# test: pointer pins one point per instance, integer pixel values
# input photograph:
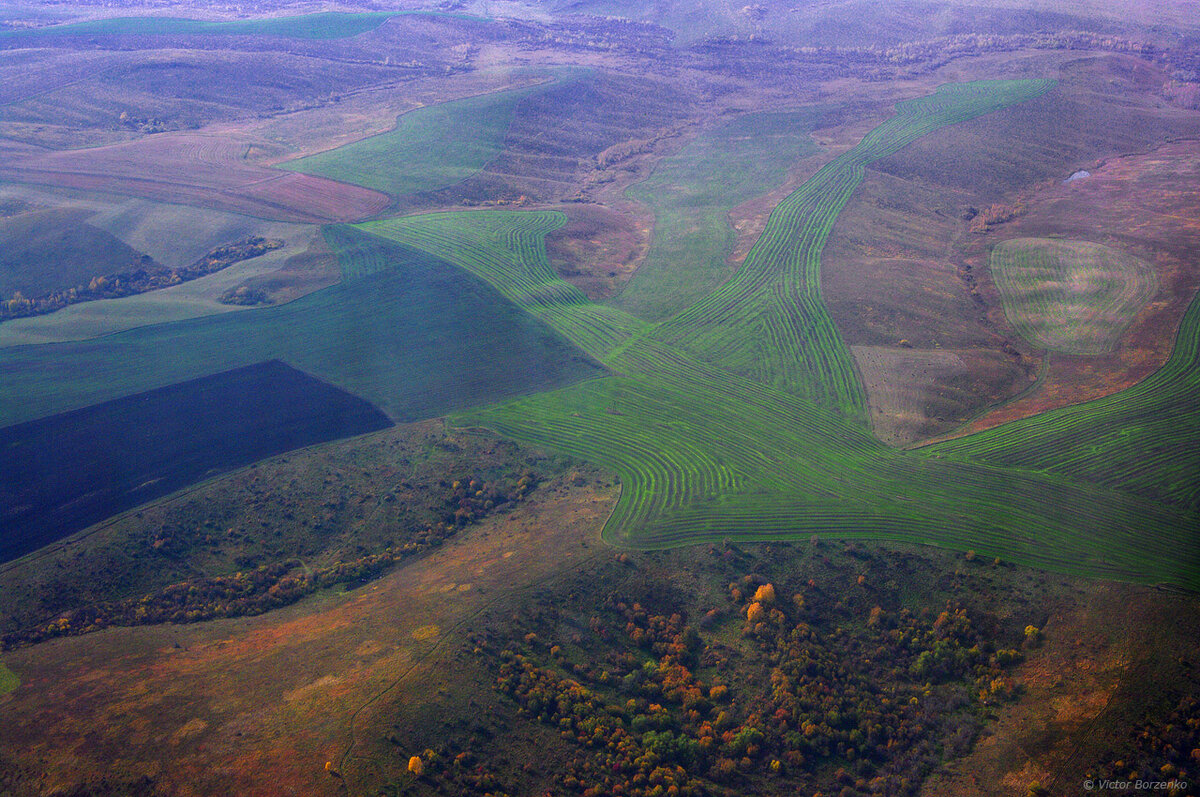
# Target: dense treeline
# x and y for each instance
(758, 57)
(147, 277)
(271, 586)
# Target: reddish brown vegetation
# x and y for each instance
(198, 170)
(812, 697)
(1147, 205)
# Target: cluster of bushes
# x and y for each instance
(244, 296)
(260, 589)
(470, 499)
(993, 215)
(1161, 751)
(147, 277)
(807, 694)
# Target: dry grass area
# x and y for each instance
(206, 170)
(599, 248)
(903, 264)
(1096, 667)
(257, 706)
(1147, 205)
(912, 391)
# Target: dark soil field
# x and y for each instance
(70, 470)
(415, 336)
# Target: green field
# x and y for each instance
(89, 231)
(741, 417)
(326, 25)
(769, 322)
(417, 339)
(1076, 297)
(430, 148)
(691, 194)
(8, 680)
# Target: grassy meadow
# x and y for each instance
(49, 250)
(417, 339)
(691, 194)
(430, 148)
(740, 416)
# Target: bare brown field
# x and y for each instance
(1147, 205)
(257, 706)
(897, 301)
(903, 265)
(599, 248)
(911, 391)
(204, 170)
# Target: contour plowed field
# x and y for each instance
(743, 416)
(1070, 296)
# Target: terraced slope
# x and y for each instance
(706, 452)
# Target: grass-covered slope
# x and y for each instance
(415, 336)
(48, 250)
(705, 450)
(768, 322)
(692, 193)
(430, 148)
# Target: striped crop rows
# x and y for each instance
(769, 321)
(1143, 439)
(1070, 296)
(742, 416)
(507, 248)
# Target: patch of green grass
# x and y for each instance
(709, 442)
(325, 25)
(430, 148)
(692, 193)
(1142, 440)
(417, 339)
(1076, 297)
(769, 322)
(8, 680)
